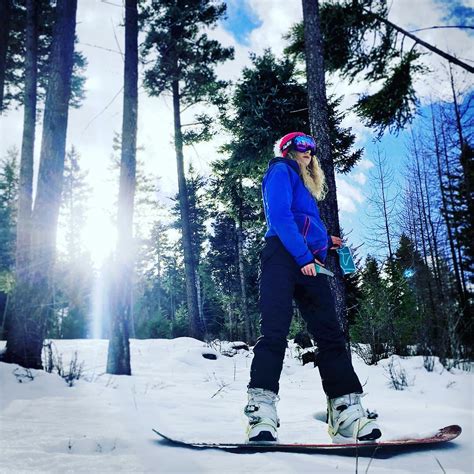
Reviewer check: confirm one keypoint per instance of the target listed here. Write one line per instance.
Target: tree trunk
(118, 358)
(450, 208)
(25, 192)
(318, 116)
(5, 14)
(456, 110)
(195, 328)
(243, 291)
(34, 298)
(444, 211)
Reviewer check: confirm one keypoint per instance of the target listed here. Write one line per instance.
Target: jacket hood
(291, 163)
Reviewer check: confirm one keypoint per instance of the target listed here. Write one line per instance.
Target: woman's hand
(310, 269)
(336, 242)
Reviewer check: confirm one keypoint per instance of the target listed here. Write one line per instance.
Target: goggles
(304, 143)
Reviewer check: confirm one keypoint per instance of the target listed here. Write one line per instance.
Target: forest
(189, 265)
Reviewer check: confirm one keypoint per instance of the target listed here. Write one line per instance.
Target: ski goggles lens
(304, 143)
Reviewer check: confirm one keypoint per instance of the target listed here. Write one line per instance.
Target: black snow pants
(281, 280)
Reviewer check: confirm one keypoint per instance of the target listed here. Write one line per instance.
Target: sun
(99, 235)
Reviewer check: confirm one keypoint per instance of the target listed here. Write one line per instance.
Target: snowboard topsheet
(443, 435)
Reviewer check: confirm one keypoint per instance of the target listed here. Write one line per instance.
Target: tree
(14, 86)
(184, 65)
(8, 208)
(118, 358)
(8, 218)
(224, 267)
(32, 300)
(319, 120)
(383, 206)
(198, 214)
(360, 42)
(371, 326)
(5, 26)
(25, 202)
(74, 272)
(268, 102)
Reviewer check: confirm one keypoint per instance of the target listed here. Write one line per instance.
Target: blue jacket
(292, 213)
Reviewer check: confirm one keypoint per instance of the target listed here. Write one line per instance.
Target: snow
(104, 423)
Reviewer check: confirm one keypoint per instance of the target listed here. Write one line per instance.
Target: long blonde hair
(313, 177)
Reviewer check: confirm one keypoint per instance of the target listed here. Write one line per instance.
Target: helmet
(287, 140)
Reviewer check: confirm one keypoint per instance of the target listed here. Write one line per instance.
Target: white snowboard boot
(347, 421)
(262, 415)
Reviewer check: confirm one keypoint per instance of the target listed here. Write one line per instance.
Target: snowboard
(381, 448)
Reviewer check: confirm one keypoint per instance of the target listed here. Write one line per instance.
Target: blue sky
(241, 20)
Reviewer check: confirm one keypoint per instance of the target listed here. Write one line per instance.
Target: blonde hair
(313, 177)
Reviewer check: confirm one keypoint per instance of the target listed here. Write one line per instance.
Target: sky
(251, 26)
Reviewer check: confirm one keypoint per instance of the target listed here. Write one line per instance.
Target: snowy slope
(103, 423)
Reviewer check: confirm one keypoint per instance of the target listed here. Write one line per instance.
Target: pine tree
(224, 267)
(8, 219)
(118, 356)
(5, 27)
(360, 42)
(32, 300)
(406, 321)
(319, 121)
(8, 208)
(23, 15)
(198, 215)
(184, 65)
(370, 332)
(74, 271)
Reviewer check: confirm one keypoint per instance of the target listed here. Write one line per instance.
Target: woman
(296, 240)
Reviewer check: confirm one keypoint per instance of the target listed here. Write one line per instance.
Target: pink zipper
(306, 226)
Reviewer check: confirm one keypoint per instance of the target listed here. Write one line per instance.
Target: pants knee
(276, 344)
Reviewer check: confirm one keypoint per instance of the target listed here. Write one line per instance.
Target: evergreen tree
(8, 218)
(118, 356)
(152, 314)
(74, 271)
(184, 64)
(268, 102)
(5, 26)
(410, 265)
(360, 42)
(8, 208)
(224, 267)
(32, 299)
(33, 21)
(197, 212)
(319, 123)
(370, 333)
(406, 320)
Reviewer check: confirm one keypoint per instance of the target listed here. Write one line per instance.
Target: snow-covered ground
(104, 423)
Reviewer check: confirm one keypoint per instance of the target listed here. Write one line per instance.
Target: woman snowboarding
(297, 241)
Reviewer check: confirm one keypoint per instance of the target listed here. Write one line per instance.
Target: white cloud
(365, 164)
(348, 196)
(277, 16)
(359, 177)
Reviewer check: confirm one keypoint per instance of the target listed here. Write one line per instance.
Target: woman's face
(303, 157)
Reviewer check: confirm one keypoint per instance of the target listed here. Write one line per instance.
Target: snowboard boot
(347, 421)
(262, 415)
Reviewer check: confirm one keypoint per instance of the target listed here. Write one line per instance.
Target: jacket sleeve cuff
(330, 244)
(305, 259)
